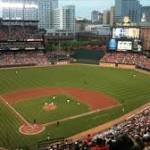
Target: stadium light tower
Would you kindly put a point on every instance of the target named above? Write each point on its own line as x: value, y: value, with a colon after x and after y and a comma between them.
x: 19, y: 9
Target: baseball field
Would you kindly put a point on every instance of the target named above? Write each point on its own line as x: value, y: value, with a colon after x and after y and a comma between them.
x: 60, y: 101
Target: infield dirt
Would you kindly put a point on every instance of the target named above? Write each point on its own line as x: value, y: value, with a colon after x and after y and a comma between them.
x: 94, y: 100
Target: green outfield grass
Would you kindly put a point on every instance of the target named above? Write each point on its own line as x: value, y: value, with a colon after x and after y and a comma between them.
x: 130, y: 88
x: 63, y: 110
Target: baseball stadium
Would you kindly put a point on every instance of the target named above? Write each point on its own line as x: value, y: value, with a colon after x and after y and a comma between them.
x: 74, y: 91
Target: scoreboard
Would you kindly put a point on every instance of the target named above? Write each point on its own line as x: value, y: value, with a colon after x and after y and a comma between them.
x: 125, y: 39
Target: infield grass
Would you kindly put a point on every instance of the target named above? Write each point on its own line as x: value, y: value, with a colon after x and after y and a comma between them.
x: 33, y: 109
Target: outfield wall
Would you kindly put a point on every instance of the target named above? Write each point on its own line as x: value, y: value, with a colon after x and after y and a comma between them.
x: 62, y: 62
x: 114, y: 65
x: 124, y: 66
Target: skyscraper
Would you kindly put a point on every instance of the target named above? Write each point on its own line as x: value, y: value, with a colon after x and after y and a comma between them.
x: 45, y: 13
x: 146, y: 12
x: 100, y: 18
x: 112, y: 16
x: 95, y: 16
x: 64, y: 18
x: 106, y: 17
x: 130, y: 8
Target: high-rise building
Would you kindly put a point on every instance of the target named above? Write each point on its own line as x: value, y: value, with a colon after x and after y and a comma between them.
x: 45, y: 13
x: 146, y: 13
x: 100, y: 18
x: 130, y: 8
x: 112, y: 16
x: 19, y: 9
x: 95, y: 16
x: 64, y: 18
x: 106, y: 17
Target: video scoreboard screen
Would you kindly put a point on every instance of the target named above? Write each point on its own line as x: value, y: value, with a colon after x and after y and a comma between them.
x: 125, y: 45
x: 126, y: 32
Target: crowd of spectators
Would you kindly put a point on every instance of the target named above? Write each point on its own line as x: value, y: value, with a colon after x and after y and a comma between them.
x: 131, y: 134
x: 19, y: 33
x: 18, y: 37
x: 121, y: 58
x: 143, y: 63
x: 39, y: 57
x: 31, y: 57
x: 127, y: 58
x: 12, y: 58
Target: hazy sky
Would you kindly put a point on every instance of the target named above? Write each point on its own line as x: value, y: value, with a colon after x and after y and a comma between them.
x: 84, y: 7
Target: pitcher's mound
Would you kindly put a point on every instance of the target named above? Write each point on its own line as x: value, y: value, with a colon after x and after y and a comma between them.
x: 31, y: 129
x: 49, y: 107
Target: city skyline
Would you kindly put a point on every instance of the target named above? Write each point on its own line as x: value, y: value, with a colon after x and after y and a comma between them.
x: 85, y: 7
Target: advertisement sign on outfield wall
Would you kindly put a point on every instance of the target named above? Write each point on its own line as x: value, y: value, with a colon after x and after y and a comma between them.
x: 112, y: 44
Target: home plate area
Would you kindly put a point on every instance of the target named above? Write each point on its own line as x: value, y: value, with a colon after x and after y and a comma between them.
x: 29, y: 129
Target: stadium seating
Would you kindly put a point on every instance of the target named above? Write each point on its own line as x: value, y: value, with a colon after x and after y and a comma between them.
x: 19, y: 37
x: 8, y: 58
x: 18, y: 33
x: 34, y: 57
x: 11, y: 58
x: 139, y: 60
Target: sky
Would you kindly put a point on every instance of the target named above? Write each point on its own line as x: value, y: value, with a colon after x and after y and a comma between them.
x: 85, y: 7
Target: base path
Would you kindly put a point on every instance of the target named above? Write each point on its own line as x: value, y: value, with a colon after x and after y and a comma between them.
x: 19, y: 116
x: 95, y: 100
